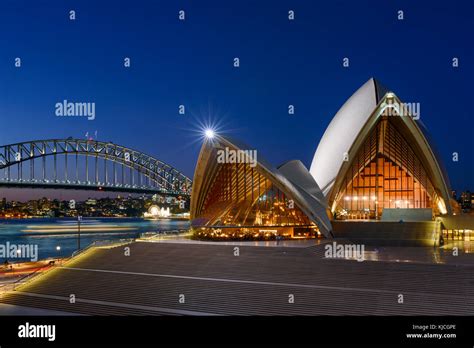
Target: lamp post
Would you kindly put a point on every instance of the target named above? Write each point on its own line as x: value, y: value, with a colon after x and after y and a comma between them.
x: 79, y: 219
x: 58, y: 249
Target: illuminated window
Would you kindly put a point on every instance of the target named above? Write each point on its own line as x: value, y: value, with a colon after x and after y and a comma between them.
x: 387, y: 170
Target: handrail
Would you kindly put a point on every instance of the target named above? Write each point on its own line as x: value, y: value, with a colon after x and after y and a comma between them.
x: 49, y: 267
x: 106, y: 242
x: 29, y: 275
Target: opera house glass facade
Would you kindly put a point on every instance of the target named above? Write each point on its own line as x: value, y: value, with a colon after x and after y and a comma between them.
x: 251, y: 200
x: 386, y: 173
x: 374, y: 157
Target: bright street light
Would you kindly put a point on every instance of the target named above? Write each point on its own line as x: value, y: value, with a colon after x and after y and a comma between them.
x: 209, y: 133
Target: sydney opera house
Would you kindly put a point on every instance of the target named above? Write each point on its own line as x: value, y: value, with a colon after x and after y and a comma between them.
x: 375, y: 175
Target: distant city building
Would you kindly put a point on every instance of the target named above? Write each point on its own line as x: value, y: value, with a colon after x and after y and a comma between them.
x: 466, y: 200
x: 104, y: 207
x: 155, y: 212
x: 91, y: 201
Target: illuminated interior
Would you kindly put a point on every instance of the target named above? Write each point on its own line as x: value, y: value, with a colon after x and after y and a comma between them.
x: 242, y: 198
x: 385, y: 173
x: 249, y: 199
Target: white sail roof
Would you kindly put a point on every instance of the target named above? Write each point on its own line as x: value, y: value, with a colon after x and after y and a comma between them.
x: 342, y: 132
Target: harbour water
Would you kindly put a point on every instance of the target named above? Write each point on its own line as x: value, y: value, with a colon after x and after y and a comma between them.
x: 59, y: 237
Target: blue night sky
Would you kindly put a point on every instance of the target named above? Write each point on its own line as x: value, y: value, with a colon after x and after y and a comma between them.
x: 191, y: 63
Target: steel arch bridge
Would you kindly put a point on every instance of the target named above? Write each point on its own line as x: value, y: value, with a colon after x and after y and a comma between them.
x: 88, y: 165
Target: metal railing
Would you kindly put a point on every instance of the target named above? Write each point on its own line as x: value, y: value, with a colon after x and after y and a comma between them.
x: 53, y: 263
x: 99, y: 243
x: 12, y: 286
x: 163, y: 234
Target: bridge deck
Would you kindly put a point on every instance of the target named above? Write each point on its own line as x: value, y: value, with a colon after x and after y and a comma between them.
x: 93, y: 187
x: 258, y: 282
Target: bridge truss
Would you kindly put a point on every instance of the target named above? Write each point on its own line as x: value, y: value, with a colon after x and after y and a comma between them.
x: 90, y: 165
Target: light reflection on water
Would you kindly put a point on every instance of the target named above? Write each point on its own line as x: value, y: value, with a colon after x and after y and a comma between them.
x: 48, y: 234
